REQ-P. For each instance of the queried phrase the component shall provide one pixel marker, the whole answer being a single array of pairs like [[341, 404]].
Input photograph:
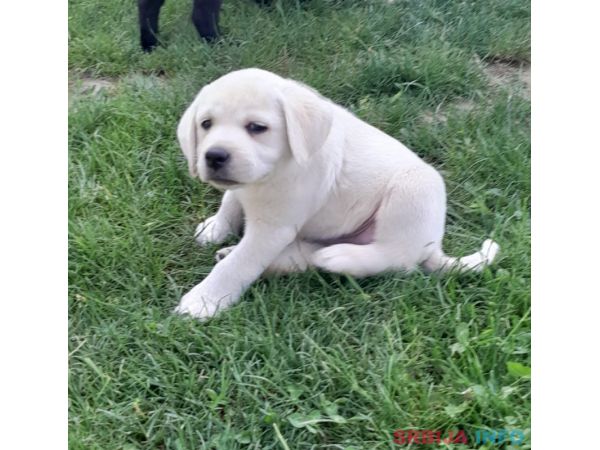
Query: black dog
[[205, 15]]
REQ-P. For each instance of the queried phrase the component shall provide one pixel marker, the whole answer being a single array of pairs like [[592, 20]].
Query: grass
[[309, 361]]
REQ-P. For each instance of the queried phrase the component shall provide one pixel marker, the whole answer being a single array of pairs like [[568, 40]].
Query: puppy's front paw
[[212, 231], [200, 304], [223, 252]]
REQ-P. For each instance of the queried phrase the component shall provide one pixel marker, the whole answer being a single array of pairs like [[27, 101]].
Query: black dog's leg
[[206, 18], [148, 14]]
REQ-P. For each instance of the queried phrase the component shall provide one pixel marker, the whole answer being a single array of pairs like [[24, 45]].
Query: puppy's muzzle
[[216, 158]]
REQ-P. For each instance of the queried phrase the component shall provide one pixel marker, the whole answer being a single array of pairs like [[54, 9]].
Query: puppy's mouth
[[223, 182]]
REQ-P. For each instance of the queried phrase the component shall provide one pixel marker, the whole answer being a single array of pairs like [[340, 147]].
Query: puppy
[[314, 186]]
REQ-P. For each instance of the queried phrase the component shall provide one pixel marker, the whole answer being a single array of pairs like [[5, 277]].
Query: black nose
[[216, 158]]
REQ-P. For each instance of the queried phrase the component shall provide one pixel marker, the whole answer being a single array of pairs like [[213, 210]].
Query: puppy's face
[[240, 132], [241, 126]]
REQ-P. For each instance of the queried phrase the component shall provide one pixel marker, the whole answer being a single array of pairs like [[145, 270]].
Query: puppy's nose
[[216, 157]]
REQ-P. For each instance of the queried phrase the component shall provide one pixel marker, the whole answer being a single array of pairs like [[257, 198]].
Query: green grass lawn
[[309, 361]]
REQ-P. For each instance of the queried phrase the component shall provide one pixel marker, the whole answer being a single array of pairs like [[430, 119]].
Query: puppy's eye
[[256, 128], [206, 124]]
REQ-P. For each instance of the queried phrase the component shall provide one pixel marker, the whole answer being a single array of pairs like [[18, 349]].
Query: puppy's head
[[242, 126]]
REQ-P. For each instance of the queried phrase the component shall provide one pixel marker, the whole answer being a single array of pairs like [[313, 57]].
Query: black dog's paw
[[206, 26], [209, 36], [148, 45]]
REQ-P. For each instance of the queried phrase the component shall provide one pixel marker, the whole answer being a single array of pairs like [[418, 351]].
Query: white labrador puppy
[[314, 185]]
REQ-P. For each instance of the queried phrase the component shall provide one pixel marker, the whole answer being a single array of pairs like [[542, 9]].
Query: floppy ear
[[308, 120], [186, 134]]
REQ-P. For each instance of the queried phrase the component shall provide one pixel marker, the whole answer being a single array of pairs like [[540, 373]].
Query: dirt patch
[[87, 85], [141, 81], [95, 86], [504, 74], [440, 114], [431, 118], [510, 74], [81, 85], [84, 85]]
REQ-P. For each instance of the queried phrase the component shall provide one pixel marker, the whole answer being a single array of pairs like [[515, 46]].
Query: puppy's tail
[[476, 262]]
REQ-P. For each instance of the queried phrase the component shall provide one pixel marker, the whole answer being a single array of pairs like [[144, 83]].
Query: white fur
[[316, 174]]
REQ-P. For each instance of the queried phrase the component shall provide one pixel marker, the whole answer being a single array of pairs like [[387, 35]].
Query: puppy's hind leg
[[356, 260], [408, 223]]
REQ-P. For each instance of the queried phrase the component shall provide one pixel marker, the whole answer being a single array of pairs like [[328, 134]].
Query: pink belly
[[363, 235]]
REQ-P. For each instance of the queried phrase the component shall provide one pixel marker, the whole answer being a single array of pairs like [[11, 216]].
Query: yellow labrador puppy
[[314, 185]]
